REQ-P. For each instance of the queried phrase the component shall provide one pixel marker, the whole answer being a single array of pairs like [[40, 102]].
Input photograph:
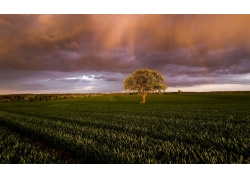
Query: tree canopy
[[144, 81]]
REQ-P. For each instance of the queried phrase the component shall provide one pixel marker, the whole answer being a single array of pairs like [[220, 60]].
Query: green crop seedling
[[170, 128]]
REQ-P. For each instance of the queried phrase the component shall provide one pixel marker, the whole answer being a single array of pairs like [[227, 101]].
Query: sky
[[90, 53]]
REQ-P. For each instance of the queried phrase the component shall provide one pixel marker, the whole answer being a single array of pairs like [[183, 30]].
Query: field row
[[118, 133], [16, 150]]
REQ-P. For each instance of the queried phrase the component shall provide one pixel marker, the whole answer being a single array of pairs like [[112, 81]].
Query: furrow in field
[[17, 149]]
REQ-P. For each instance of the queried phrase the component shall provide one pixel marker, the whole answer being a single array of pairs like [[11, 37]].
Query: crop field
[[169, 128], [16, 150]]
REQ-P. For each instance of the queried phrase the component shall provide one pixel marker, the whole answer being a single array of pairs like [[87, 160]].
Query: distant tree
[[30, 99], [145, 81], [43, 98]]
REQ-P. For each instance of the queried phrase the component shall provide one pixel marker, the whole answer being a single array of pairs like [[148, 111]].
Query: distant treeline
[[46, 97], [181, 92], [42, 97], [211, 92]]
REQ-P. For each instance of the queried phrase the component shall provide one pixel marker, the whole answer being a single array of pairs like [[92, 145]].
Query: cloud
[[176, 45], [72, 80], [106, 78], [2, 21], [72, 45], [31, 85], [113, 79], [97, 77], [88, 88]]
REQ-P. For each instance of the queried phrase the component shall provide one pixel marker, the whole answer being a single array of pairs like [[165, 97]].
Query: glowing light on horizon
[[211, 87]]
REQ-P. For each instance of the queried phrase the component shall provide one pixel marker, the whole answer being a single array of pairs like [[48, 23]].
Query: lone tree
[[144, 81]]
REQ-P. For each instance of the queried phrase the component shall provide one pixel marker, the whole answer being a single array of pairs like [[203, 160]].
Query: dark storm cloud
[[217, 61], [97, 77], [68, 42], [113, 79], [176, 45], [106, 78], [188, 83], [36, 85]]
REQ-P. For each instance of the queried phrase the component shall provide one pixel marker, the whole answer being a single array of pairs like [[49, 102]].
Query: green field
[[169, 128]]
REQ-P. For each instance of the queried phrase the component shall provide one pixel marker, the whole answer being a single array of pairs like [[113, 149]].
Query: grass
[[14, 149], [171, 128]]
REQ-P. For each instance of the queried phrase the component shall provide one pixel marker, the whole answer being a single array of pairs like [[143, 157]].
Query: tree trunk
[[143, 98]]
